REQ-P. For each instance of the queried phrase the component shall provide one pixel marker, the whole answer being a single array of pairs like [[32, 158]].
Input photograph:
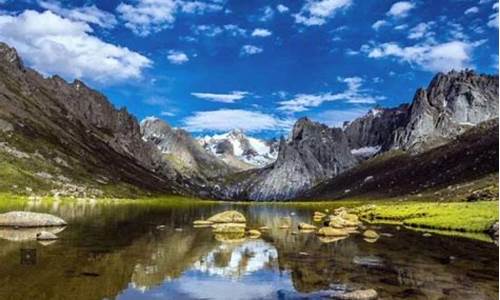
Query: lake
[[150, 250]]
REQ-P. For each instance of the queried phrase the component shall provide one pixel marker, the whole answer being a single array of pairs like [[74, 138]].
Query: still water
[[119, 251]]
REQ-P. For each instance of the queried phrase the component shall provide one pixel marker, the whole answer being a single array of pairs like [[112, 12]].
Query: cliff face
[[451, 104], [71, 119], [182, 151], [315, 152]]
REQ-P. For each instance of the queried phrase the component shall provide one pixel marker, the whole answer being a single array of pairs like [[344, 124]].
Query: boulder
[[305, 226], [370, 234], [254, 234], [29, 219], [46, 236], [329, 231], [229, 228], [331, 239], [318, 214], [230, 216], [368, 294]]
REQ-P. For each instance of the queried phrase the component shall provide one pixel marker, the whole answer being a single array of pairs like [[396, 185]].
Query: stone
[[305, 226], [202, 223], [369, 294], [329, 231], [370, 234], [318, 214], [231, 216], [331, 239], [46, 236], [29, 219], [229, 227], [254, 234]]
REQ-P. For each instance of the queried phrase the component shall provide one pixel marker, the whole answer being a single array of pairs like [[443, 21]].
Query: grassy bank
[[458, 216]]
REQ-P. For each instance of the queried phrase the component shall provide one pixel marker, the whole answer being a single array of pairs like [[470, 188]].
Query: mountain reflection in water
[[118, 251]]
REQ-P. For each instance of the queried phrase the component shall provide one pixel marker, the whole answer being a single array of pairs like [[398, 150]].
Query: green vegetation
[[458, 216]]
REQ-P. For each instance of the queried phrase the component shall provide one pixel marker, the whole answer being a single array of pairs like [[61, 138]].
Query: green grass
[[458, 216]]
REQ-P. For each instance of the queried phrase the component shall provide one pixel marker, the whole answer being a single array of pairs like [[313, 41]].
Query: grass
[[457, 216]]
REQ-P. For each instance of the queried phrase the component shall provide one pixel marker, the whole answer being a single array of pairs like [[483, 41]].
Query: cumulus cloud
[[145, 17], [228, 119], [88, 14], [260, 32], [56, 45], [421, 30], [337, 117], [214, 30], [353, 94], [224, 98], [400, 9], [282, 8], [317, 12], [430, 57], [377, 25], [177, 57], [247, 50], [267, 14]]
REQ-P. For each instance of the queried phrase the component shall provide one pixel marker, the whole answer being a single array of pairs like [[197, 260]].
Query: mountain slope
[[65, 138], [313, 153], [183, 152], [472, 156]]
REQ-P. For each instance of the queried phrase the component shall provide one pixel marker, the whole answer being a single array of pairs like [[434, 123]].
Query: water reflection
[[111, 251]]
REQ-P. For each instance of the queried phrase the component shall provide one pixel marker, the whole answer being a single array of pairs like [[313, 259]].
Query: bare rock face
[[314, 153], [181, 150], [81, 124], [452, 103]]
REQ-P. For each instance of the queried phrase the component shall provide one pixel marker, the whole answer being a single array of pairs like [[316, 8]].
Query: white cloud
[[149, 16], [317, 12], [400, 9], [282, 8], [401, 27], [260, 32], [88, 14], [228, 119], [378, 24], [337, 117], [421, 30], [353, 94], [267, 14], [493, 22], [177, 57], [167, 114], [472, 10], [430, 57], [224, 98], [56, 45], [213, 30], [247, 50]]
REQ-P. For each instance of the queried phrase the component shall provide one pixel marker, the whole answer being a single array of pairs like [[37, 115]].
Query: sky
[[209, 66]]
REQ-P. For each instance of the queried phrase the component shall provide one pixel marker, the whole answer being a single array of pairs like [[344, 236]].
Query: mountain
[[313, 153], [464, 167], [66, 139], [182, 151], [241, 151]]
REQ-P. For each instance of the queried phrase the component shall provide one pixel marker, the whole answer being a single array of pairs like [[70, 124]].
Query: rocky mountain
[[241, 151], [313, 153], [65, 138], [182, 151], [451, 104]]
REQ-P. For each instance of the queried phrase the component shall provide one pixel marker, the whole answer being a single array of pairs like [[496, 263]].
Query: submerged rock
[[329, 231], [229, 228], [370, 234], [29, 219], [331, 239], [254, 234], [202, 223], [368, 294], [305, 226], [230, 216], [46, 236]]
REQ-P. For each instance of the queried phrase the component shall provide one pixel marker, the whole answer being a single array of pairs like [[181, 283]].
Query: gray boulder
[[29, 219]]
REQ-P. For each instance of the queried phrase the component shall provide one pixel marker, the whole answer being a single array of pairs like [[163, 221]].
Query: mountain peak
[[9, 55]]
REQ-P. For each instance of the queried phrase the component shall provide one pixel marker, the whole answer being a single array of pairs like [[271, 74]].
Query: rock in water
[[305, 226], [229, 228], [254, 234], [230, 216], [329, 231], [370, 234], [29, 219], [46, 236], [369, 294]]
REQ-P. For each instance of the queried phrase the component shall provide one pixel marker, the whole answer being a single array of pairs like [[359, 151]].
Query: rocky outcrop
[[181, 150], [29, 219], [451, 104], [314, 153], [73, 123]]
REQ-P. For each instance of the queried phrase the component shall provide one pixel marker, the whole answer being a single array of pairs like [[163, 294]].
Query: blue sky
[[212, 65]]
